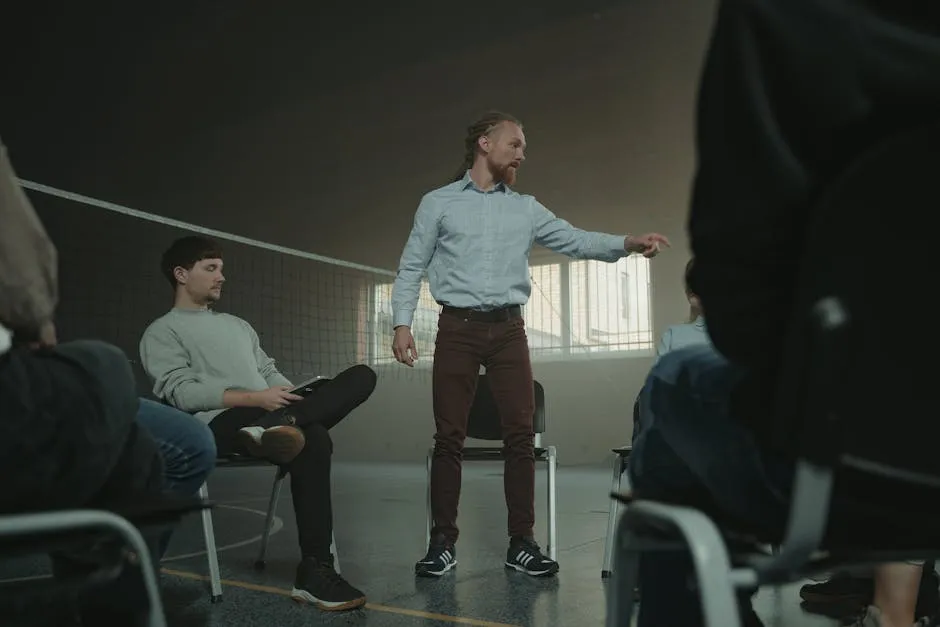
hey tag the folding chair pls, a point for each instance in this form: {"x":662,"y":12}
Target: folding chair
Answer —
{"x":484,"y":424}
{"x":77,"y":529}
{"x":853,"y":403}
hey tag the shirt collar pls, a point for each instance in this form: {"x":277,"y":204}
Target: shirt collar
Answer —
{"x":467,"y":183}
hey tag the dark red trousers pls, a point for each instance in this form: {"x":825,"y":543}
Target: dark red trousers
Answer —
{"x":462,"y":346}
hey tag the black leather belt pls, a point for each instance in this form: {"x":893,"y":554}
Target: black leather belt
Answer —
{"x":502,"y":314}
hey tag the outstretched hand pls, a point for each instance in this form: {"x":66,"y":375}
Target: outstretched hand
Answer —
{"x":647,"y":245}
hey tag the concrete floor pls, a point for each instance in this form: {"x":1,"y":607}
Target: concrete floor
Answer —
{"x":380,"y":533}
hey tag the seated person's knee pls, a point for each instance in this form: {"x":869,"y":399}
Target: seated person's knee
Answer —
{"x":365,"y":378}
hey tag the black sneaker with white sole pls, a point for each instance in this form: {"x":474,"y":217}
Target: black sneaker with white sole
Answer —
{"x":318,"y":584}
{"x":441,"y":557}
{"x":525,"y":556}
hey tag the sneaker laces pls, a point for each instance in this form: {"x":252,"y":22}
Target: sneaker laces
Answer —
{"x":330,"y":577}
{"x":533,"y":545}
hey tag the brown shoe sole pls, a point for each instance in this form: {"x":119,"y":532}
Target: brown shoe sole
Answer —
{"x":279,"y":445}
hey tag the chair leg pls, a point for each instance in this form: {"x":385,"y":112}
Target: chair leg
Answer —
{"x":430,"y":516}
{"x":623,"y":578}
{"x":212,"y":553}
{"x":269,"y":518}
{"x":552,"y":506}
{"x":613,"y":514}
{"x":335,"y":555}
{"x":713,"y":572}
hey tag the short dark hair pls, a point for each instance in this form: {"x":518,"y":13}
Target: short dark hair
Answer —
{"x":185,"y":252}
{"x":690,"y":278}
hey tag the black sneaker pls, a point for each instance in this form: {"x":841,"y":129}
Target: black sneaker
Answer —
{"x":525,"y":556}
{"x":840,"y":589}
{"x":441,"y":557}
{"x":318,"y":584}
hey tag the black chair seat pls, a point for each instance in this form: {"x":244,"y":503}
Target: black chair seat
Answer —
{"x":494,"y":453}
{"x":237,"y":459}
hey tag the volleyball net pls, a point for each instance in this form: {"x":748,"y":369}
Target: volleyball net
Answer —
{"x":315,"y":315}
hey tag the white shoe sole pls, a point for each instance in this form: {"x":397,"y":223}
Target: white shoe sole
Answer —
{"x":436,"y":573}
{"x":533,"y":573}
{"x":305,"y":598}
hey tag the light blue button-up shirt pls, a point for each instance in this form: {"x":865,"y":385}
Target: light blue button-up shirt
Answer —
{"x":682,"y":335}
{"x":475,"y":247}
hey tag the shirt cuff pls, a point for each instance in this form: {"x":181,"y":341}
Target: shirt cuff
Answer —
{"x":403,"y":318}
{"x":615,"y":244}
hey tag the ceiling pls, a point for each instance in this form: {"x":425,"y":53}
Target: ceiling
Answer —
{"x":78,"y":75}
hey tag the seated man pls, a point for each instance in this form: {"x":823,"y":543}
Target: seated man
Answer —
{"x":791,"y":92}
{"x":68,"y":438}
{"x":212,"y":365}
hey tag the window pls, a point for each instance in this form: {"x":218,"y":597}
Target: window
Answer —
{"x":576,"y":308}
{"x":583,"y":307}
{"x":424,"y":326}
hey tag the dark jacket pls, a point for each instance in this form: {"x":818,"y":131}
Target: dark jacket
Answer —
{"x":791,"y":91}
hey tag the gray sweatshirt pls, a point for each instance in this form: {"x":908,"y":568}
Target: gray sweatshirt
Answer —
{"x":194,"y":356}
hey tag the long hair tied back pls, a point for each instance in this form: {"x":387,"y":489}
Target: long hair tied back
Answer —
{"x":481,"y":128}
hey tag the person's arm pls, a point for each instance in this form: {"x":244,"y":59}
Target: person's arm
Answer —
{"x":414,"y":261}
{"x":166,"y":361}
{"x":267,"y":367}
{"x":28,"y":261}
{"x":559,"y":236}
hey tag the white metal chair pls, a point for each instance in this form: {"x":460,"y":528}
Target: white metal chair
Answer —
{"x":212,"y":554}
{"x":24,"y":527}
{"x":484,"y":424}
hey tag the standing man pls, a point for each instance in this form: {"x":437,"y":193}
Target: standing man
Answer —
{"x":473,"y":238}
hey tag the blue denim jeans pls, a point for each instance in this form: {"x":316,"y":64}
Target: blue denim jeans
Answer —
{"x":687,"y":443}
{"x":186,"y":445}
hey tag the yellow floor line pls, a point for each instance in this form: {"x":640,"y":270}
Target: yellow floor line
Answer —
{"x":459,"y":620}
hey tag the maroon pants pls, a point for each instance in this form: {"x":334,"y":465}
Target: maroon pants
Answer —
{"x":462,"y":346}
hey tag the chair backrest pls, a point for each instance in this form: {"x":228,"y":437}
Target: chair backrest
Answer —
{"x":484,"y":422}
{"x":857,"y":390}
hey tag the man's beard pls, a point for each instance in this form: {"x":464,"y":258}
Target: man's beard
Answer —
{"x":505,"y":174}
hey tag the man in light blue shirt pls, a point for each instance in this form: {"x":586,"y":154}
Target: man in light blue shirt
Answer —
{"x":473,"y":238}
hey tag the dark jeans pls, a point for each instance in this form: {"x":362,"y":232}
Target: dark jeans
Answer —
{"x":69,"y":439}
{"x":502,"y":348}
{"x":687,"y":446}
{"x":310,"y":470}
